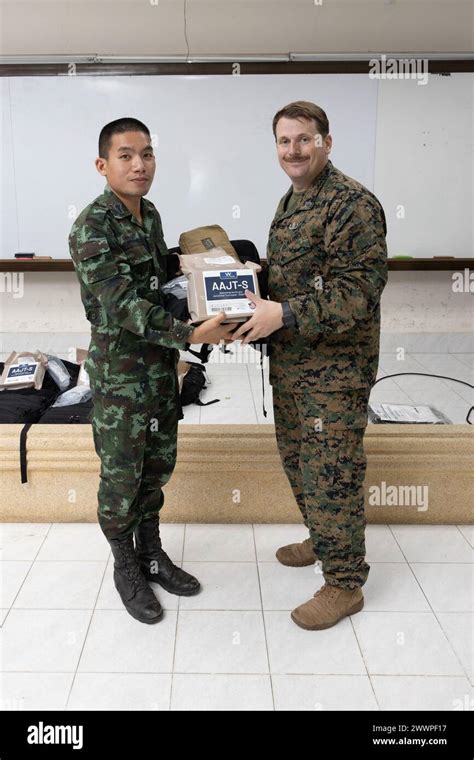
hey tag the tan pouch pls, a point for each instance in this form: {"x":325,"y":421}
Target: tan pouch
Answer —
{"x":203,"y":239}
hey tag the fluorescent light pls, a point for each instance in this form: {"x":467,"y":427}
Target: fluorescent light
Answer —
{"x":369,"y":56}
{"x":237,"y":58}
{"x":47,"y":59}
{"x":141,"y":59}
{"x":105,"y":59}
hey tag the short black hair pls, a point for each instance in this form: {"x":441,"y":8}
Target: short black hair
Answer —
{"x":125,"y":124}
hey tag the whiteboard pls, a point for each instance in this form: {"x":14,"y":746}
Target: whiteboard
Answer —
{"x":216,"y":158}
{"x":424,"y":167}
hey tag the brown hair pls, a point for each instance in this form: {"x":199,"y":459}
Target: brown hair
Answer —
{"x":303,"y":109}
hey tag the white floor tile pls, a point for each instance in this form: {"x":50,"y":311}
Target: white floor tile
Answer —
{"x":225,"y":586}
{"x":219,"y":543}
{"x":404,"y":643}
{"x":261,"y":419}
{"x":221,"y":692}
{"x":457,"y":413}
{"x":391,"y":364}
{"x":120,"y":691}
{"x":269,"y":538}
{"x":468,"y":532}
{"x":21,"y":541}
{"x":446,"y":364}
{"x":467,"y":359}
{"x":284,"y":588}
{"x":460,"y":343}
{"x":3,"y":614}
{"x":43,"y":640}
{"x":381,"y":546}
{"x":222,"y":384}
{"x":432,"y":543}
{"x":192,"y":415}
{"x":61,"y":586}
{"x":293,"y":650}
{"x":383,"y":393}
{"x":117,"y":643}
{"x":459,"y":627}
{"x":392,"y":587}
{"x":220,"y":642}
{"x":428,"y":390}
{"x":320,"y":693}
{"x":34,"y":691}
{"x":12,"y":576}
{"x":235,"y":414}
{"x":422,"y":692}
{"x":448,"y":588}
{"x":230,"y":363}
{"x":386,"y":390}
{"x":74,"y":541}
{"x":229,"y":394}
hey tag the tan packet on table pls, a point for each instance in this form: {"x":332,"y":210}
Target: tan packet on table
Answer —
{"x":24,"y":369}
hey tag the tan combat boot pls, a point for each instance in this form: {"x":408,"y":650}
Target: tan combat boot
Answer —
{"x":328,"y":605}
{"x":297,"y":555}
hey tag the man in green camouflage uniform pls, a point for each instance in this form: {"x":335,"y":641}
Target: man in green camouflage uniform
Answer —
{"x":327,"y":269}
{"x":119,"y":254}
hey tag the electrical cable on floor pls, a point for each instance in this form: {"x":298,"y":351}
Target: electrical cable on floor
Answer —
{"x":440,"y":377}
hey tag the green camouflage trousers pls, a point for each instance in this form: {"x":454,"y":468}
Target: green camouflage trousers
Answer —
{"x":320,"y":439}
{"x":135,"y":436}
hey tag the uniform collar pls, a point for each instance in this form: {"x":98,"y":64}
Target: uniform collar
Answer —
{"x":308,"y":198}
{"x":118,"y":209}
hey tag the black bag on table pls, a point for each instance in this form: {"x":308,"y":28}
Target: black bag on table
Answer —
{"x":75,"y":413}
{"x":27,"y":405}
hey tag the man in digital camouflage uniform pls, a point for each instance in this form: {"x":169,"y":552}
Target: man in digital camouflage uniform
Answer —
{"x":327,"y":262}
{"x":119,"y":254}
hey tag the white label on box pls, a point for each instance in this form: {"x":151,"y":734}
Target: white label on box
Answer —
{"x":21,"y":373}
{"x":225,"y":291}
{"x":220,"y":260}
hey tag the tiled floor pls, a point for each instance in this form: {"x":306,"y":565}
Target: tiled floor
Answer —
{"x":236,"y":381}
{"x":67,"y":642}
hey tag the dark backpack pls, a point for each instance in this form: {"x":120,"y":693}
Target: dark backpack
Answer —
{"x":194,"y":382}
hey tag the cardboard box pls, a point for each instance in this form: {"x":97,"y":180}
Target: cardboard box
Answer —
{"x":217,"y":282}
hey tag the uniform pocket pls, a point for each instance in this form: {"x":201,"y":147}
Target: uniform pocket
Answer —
{"x":296,"y":249}
{"x":96,"y":262}
{"x":344,"y":410}
{"x":138,"y":254}
{"x":332,"y":441}
{"x":142,"y":269}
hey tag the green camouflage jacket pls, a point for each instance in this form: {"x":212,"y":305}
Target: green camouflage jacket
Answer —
{"x":121,"y":267}
{"x":328,"y":258}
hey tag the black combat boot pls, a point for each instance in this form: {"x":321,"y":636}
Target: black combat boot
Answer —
{"x":155,"y":564}
{"x":135,"y":593}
